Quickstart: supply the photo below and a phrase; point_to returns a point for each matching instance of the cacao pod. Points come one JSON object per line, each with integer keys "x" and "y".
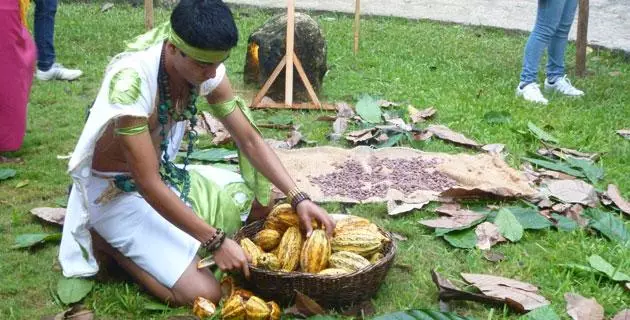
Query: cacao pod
{"x": 268, "y": 261}
{"x": 267, "y": 239}
{"x": 276, "y": 312}
{"x": 351, "y": 223}
{"x": 376, "y": 257}
{"x": 227, "y": 286}
{"x": 234, "y": 308}
{"x": 289, "y": 249}
{"x": 332, "y": 272}
{"x": 257, "y": 309}
{"x": 203, "y": 307}
{"x": 360, "y": 241}
{"x": 315, "y": 252}
{"x": 348, "y": 260}
{"x": 251, "y": 249}
{"x": 281, "y": 217}
{"x": 244, "y": 293}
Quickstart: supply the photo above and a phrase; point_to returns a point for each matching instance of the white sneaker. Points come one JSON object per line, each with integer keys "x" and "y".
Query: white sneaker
{"x": 58, "y": 72}
{"x": 531, "y": 93}
{"x": 564, "y": 86}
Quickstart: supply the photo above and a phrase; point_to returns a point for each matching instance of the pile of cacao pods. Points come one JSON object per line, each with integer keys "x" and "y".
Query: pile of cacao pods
{"x": 238, "y": 304}
{"x": 280, "y": 246}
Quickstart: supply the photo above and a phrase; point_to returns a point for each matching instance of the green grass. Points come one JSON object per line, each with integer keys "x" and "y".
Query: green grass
{"x": 463, "y": 71}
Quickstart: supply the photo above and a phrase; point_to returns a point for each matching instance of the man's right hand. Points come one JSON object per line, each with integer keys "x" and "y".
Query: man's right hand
{"x": 230, "y": 256}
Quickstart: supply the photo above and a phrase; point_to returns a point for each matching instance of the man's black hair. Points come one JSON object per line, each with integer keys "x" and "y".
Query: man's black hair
{"x": 205, "y": 24}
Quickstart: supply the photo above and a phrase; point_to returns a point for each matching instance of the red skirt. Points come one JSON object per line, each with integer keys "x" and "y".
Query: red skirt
{"x": 17, "y": 65}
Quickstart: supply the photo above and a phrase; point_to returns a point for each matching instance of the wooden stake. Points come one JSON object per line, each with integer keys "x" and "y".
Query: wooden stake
{"x": 269, "y": 82}
{"x": 582, "y": 39}
{"x": 288, "y": 88}
{"x": 305, "y": 81}
{"x": 148, "y": 14}
{"x": 357, "y": 22}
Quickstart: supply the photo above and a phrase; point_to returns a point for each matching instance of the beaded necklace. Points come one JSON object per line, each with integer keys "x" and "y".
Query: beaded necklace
{"x": 177, "y": 177}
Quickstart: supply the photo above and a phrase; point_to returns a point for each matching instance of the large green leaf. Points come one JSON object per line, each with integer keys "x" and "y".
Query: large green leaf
{"x": 508, "y": 225}
{"x": 564, "y": 223}
{"x": 213, "y": 155}
{"x": 609, "y": 225}
{"x": 31, "y": 239}
{"x": 541, "y": 134}
{"x": 591, "y": 171}
{"x": 466, "y": 239}
{"x": 369, "y": 110}
{"x": 598, "y": 263}
{"x": 542, "y": 313}
{"x": 421, "y": 314}
{"x": 555, "y": 165}
{"x": 494, "y": 117}
{"x": 6, "y": 173}
{"x": 71, "y": 290}
{"x": 529, "y": 218}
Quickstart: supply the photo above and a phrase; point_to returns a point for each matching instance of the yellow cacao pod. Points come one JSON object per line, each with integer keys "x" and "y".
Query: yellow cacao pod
{"x": 281, "y": 217}
{"x": 267, "y": 239}
{"x": 348, "y": 260}
{"x": 350, "y": 223}
{"x": 276, "y": 312}
{"x": 360, "y": 241}
{"x": 257, "y": 309}
{"x": 376, "y": 257}
{"x": 289, "y": 249}
{"x": 203, "y": 308}
{"x": 251, "y": 249}
{"x": 332, "y": 272}
{"x": 268, "y": 261}
{"x": 227, "y": 286}
{"x": 315, "y": 252}
{"x": 234, "y": 308}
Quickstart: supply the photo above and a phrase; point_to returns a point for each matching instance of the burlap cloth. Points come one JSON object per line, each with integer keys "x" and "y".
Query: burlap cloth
{"x": 476, "y": 176}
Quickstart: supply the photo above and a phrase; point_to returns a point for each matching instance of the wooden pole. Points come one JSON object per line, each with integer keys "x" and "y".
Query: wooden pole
{"x": 148, "y": 14}
{"x": 288, "y": 82}
{"x": 357, "y": 21}
{"x": 581, "y": 39}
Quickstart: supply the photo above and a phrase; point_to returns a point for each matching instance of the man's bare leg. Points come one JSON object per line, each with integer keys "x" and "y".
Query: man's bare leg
{"x": 193, "y": 282}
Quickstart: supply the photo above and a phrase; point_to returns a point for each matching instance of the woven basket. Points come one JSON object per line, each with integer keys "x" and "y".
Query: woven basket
{"x": 329, "y": 291}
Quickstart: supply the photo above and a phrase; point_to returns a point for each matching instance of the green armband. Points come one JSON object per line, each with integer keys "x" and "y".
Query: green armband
{"x": 131, "y": 131}
{"x": 222, "y": 109}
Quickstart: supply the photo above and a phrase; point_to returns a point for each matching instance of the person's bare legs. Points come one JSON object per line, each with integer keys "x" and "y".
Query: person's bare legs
{"x": 193, "y": 282}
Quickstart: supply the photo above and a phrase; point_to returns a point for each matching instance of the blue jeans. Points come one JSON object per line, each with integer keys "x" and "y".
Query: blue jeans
{"x": 551, "y": 31}
{"x": 44, "y": 25}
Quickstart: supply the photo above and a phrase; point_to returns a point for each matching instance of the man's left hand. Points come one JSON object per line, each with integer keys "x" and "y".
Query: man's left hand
{"x": 308, "y": 210}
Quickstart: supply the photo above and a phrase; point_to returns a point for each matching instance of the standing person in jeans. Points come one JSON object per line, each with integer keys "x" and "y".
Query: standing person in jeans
{"x": 44, "y": 27}
{"x": 551, "y": 31}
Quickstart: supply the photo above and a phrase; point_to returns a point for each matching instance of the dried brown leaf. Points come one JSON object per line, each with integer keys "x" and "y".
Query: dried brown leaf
{"x": 387, "y": 104}
{"x": 562, "y": 152}
{"x": 519, "y": 295}
{"x": 383, "y": 137}
{"x": 339, "y": 127}
{"x": 419, "y": 116}
{"x": 306, "y": 305}
{"x": 400, "y": 123}
{"x": 445, "y": 133}
{"x": 277, "y": 144}
{"x": 4, "y": 159}
{"x": 545, "y": 203}
{"x": 622, "y": 315}
{"x": 555, "y": 175}
{"x": 394, "y": 208}
{"x": 216, "y": 128}
{"x": 344, "y": 110}
{"x": 447, "y": 291}
{"x": 275, "y": 126}
{"x": 615, "y": 196}
{"x": 294, "y": 139}
{"x": 422, "y": 136}
{"x": 398, "y": 237}
{"x": 488, "y": 235}
{"x": 360, "y": 135}
{"x": 456, "y": 218}
{"x": 494, "y": 148}
{"x": 575, "y": 213}
{"x": 580, "y": 308}
{"x": 493, "y": 256}
{"x": 561, "y": 207}
{"x": 326, "y": 118}
{"x": 624, "y": 133}
{"x": 573, "y": 191}
{"x": 53, "y": 215}
{"x": 76, "y": 312}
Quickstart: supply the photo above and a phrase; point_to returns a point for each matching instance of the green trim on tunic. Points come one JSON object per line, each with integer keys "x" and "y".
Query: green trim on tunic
{"x": 254, "y": 179}
{"x": 132, "y": 131}
{"x": 124, "y": 88}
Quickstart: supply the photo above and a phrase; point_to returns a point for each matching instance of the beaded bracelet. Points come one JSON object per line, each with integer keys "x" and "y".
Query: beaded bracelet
{"x": 299, "y": 197}
{"x": 215, "y": 241}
